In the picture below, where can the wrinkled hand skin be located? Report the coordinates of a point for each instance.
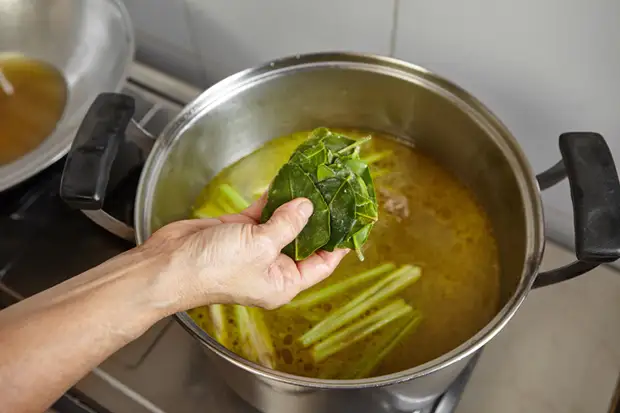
(234, 259)
(74, 326)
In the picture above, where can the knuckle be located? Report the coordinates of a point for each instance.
(263, 245)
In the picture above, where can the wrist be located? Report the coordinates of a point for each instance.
(154, 276)
(133, 280)
(170, 285)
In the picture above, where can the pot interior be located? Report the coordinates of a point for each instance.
(240, 114)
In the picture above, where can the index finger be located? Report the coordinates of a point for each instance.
(254, 211)
(319, 266)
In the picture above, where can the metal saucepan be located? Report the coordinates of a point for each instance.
(242, 112)
(90, 42)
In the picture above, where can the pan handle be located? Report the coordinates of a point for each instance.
(87, 168)
(595, 193)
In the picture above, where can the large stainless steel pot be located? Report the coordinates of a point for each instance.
(239, 114)
(89, 41)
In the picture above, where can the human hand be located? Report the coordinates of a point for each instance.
(234, 259)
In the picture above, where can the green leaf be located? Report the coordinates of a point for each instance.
(292, 182)
(328, 166)
(366, 214)
(359, 238)
(340, 198)
(332, 141)
(324, 172)
(361, 169)
(370, 186)
(353, 148)
(337, 143)
(356, 165)
(310, 157)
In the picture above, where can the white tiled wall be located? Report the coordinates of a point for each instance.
(235, 34)
(203, 41)
(543, 66)
(164, 39)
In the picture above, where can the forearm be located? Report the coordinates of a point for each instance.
(51, 340)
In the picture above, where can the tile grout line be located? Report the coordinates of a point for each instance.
(394, 27)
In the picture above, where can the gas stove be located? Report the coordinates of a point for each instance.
(43, 242)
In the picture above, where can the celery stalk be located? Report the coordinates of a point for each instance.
(369, 364)
(242, 320)
(234, 197)
(254, 335)
(361, 329)
(257, 193)
(261, 338)
(225, 206)
(326, 293)
(375, 157)
(220, 327)
(380, 291)
(379, 172)
(313, 317)
(355, 144)
(208, 211)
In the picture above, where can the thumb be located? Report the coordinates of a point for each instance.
(287, 222)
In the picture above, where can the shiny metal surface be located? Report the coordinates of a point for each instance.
(132, 154)
(239, 114)
(166, 369)
(89, 41)
(158, 98)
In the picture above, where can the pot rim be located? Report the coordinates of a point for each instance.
(36, 160)
(240, 81)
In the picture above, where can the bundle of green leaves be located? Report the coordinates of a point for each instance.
(327, 170)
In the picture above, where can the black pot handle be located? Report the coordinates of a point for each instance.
(87, 168)
(595, 192)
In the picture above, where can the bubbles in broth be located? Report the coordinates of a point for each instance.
(33, 95)
(426, 218)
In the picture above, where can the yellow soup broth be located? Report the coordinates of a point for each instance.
(426, 218)
(33, 95)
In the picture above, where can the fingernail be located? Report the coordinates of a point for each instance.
(305, 208)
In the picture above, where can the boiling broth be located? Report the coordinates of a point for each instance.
(33, 95)
(427, 218)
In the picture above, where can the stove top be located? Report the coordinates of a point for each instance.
(43, 242)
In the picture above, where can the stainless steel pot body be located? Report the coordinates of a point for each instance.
(89, 41)
(236, 117)
(275, 396)
(241, 113)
